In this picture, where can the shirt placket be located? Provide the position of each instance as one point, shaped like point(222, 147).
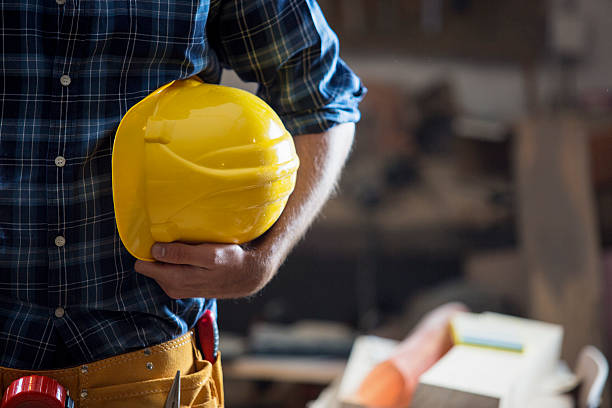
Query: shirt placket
point(59, 170)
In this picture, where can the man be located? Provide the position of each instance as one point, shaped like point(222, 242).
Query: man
point(70, 293)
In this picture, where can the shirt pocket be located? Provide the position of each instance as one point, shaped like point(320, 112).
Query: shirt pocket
point(161, 38)
point(137, 46)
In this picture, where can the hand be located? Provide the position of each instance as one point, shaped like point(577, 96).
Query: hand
point(231, 271)
point(207, 270)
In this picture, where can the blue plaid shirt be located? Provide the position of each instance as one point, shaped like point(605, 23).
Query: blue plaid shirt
point(70, 69)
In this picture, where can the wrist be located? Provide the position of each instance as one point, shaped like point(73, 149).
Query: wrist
point(262, 264)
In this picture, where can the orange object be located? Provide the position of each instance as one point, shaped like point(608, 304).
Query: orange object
point(392, 383)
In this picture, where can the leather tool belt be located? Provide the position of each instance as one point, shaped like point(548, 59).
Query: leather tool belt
point(140, 379)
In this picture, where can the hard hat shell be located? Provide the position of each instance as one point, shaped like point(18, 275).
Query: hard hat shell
point(195, 162)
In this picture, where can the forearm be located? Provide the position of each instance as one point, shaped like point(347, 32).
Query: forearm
point(322, 157)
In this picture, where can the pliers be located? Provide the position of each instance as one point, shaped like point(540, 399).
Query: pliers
point(208, 334)
point(174, 396)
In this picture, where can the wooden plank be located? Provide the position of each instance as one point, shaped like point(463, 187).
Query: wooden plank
point(308, 370)
point(558, 229)
point(429, 396)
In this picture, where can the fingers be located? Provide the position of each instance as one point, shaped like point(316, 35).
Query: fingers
point(183, 254)
point(172, 278)
point(207, 256)
point(202, 255)
point(204, 270)
point(153, 270)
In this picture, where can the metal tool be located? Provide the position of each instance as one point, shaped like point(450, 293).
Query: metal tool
point(174, 396)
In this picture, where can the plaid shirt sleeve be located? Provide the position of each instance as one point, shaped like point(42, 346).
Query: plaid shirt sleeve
point(288, 48)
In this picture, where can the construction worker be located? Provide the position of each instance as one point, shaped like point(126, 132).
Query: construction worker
point(75, 305)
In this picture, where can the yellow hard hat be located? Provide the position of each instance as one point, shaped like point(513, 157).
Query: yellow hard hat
point(195, 162)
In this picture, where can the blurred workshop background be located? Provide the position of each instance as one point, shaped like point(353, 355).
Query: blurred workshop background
point(481, 172)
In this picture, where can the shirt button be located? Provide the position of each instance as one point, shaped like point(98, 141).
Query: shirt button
point(59, 312)
point(65, 80)
point(60, 241)
point(60, 161)
point(60, 2)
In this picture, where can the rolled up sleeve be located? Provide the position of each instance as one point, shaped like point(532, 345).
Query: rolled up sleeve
point(287, 47)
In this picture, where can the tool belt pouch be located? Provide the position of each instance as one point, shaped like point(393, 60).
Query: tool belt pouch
point(141, 379)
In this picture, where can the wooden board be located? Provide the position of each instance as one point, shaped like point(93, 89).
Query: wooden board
point(306, 370)
point(429, 396)
point(558, 229)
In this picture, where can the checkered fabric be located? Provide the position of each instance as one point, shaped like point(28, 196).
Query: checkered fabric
point(70, 69)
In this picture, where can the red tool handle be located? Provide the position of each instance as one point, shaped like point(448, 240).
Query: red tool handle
point(208, 334)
